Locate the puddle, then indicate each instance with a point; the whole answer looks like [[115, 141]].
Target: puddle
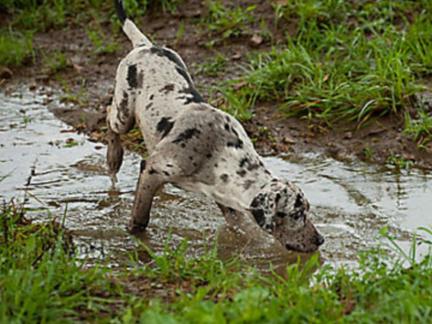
[[54, 169]]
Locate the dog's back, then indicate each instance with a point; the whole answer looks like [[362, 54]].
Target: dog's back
[[153, 86]]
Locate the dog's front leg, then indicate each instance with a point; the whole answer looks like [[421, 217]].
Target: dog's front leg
[[148, 183]]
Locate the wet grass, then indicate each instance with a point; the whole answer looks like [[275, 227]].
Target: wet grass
[[345, 61], [42, 281], [26, 17], [15, 48]]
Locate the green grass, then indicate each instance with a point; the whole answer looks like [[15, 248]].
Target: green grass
[[102, 43], [15, 48], [420, 128], [41, 281], [227, 21], [55, 62], [138, 8], [346, 61]]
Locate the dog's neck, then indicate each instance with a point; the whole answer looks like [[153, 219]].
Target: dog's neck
[[262, 206]]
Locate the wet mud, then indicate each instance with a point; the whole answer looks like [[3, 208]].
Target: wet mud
[[57, 172]]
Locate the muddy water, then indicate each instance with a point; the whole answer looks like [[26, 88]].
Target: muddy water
[[58, 172]]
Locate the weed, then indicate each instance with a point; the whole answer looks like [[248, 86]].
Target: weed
[[55, 62], [213, 66], [102, 44], [138, 8], [15, 48], [345, 62], [399, 162], [420, 129], [227, 22], [40, 280], [368, 153]]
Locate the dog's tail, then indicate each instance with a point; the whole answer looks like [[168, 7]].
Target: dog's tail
[[129, 28]]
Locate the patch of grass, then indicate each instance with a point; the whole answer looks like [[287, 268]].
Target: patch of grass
[[226, 22], [15, 48], [399, 163], [136, 8], [102, 43], [347, 61], [41, 281], [213, 66], [55, 62], [420, 128]]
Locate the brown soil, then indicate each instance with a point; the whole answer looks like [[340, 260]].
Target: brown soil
[[88, 80]]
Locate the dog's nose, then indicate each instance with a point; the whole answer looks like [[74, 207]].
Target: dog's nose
[[319, 239]]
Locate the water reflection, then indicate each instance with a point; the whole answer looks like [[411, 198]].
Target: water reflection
[[56, 170]]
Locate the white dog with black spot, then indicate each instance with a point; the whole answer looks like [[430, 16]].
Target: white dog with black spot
[[196, 146]]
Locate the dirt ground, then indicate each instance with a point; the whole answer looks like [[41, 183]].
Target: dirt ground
[[88, 81]]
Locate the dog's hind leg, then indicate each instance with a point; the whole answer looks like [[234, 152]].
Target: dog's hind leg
[[120, 117], [114, 154]]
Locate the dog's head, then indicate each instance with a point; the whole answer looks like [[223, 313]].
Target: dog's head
[[281, 209]]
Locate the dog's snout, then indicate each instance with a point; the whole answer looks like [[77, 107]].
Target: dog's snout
[[319, 240]]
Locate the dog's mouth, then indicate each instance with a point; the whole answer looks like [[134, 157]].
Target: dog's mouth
[[301, 248]]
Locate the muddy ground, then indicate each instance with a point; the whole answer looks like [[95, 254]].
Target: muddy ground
[[87, 83]]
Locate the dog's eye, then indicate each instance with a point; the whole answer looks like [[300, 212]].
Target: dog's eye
[[280, 214], [298, 215]]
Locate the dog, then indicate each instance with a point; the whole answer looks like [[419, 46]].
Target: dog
[[195, 146]]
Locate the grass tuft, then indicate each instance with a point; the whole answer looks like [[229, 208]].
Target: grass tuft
[[41, 281], [345, 61], [15, 48]]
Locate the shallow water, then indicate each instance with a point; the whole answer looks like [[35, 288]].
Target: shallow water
[[54, 169]]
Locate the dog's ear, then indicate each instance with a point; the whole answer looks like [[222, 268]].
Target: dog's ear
[[258, 214]]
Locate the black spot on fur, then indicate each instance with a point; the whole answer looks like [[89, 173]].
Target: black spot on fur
[[224, 177], [258, 214], [168, 88], [208, 156], [166, 173], [187, 135], [247, 184], [132, 77], [169, 165], [123, 111], [164, 126], [153, 171], [241, 173], [253, 166], [148, 105], [185, 75], [170, 55], [194, 96], [142, 166], [243, 162], [151, 97], [238, 144], [190, 157], [258, 201], [299, 202], [227, 127], [281, 214]]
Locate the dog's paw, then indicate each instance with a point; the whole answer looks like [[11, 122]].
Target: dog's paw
[[136, 229]]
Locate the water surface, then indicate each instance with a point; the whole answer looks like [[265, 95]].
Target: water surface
[[57, 172]]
